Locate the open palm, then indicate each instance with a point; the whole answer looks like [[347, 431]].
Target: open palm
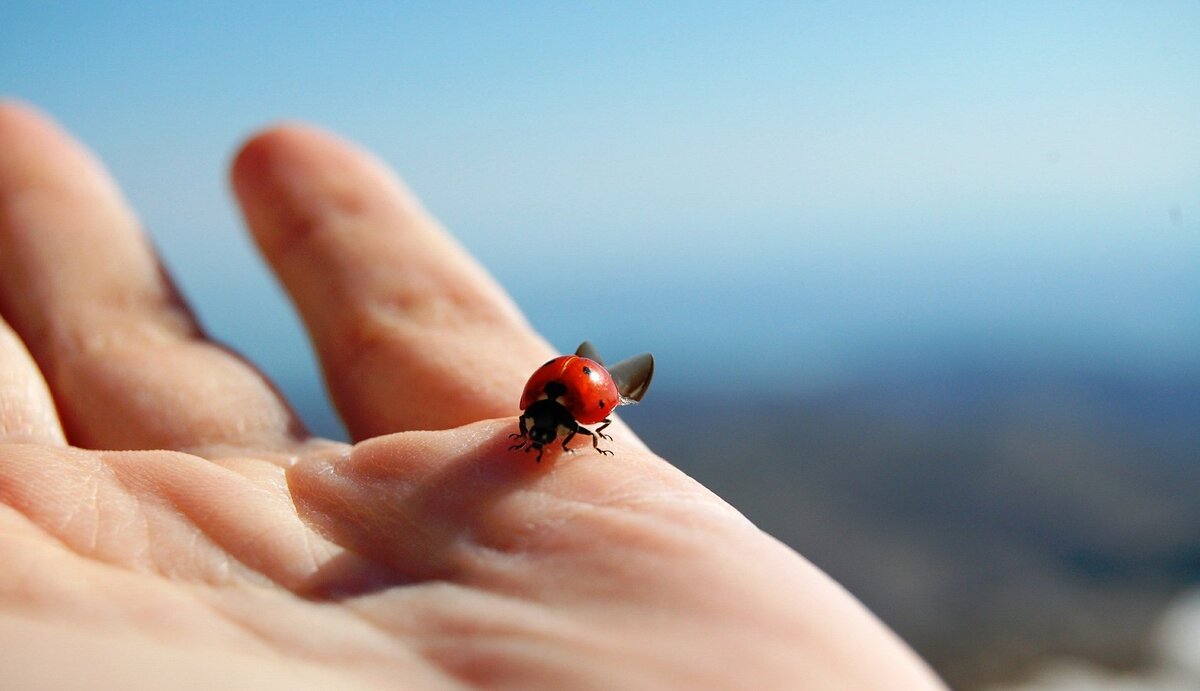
[[166, 520]]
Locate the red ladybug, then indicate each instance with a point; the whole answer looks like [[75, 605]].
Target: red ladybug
[[575, 390]]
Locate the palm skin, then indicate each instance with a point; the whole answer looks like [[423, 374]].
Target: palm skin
[[165, 520]]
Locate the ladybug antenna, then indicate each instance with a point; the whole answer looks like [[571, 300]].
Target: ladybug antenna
[[632, 376], [587, 350]]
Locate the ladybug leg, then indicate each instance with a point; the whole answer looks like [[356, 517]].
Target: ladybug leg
[[523, 435], [600, 429], [575, 429], [596, 441]]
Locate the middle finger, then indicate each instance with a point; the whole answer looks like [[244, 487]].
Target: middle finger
[[124, 358]]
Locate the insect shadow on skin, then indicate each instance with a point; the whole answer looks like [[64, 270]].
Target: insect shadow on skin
[[402, 533], [571, 391]]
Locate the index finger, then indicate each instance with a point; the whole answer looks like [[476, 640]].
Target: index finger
[[410, 331]]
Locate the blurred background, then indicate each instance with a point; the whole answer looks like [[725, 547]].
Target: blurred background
[[926, 276]]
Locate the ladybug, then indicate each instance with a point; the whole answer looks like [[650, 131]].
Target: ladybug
[[575, 390]]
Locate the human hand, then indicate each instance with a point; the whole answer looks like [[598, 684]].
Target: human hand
[[166, 520]]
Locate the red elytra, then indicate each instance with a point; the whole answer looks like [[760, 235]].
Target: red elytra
[[590, 392]]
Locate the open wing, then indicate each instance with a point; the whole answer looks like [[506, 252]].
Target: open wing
[[631, 375], [587, 350]]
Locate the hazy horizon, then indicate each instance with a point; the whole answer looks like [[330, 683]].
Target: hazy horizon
[[767, 194]]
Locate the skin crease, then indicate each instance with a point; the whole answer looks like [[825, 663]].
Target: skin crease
[[164, 516]]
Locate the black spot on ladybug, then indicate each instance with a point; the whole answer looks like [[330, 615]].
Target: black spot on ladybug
[[587, 370], [601, 404]]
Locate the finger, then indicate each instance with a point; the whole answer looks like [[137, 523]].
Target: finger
[[622, 552], [125, 360], [427, 503], [26, 409], [410, 331]]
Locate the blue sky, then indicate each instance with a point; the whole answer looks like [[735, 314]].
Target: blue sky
[[806, 190]]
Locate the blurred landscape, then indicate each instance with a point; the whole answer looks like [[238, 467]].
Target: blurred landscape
[[994, 518]]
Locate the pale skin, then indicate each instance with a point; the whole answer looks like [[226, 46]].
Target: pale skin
[[165, 518]]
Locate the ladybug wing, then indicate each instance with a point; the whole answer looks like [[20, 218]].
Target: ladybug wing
[[587, 350], [632, 376]]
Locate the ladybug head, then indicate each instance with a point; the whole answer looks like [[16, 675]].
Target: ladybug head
[[544, 419], [542, 433]]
